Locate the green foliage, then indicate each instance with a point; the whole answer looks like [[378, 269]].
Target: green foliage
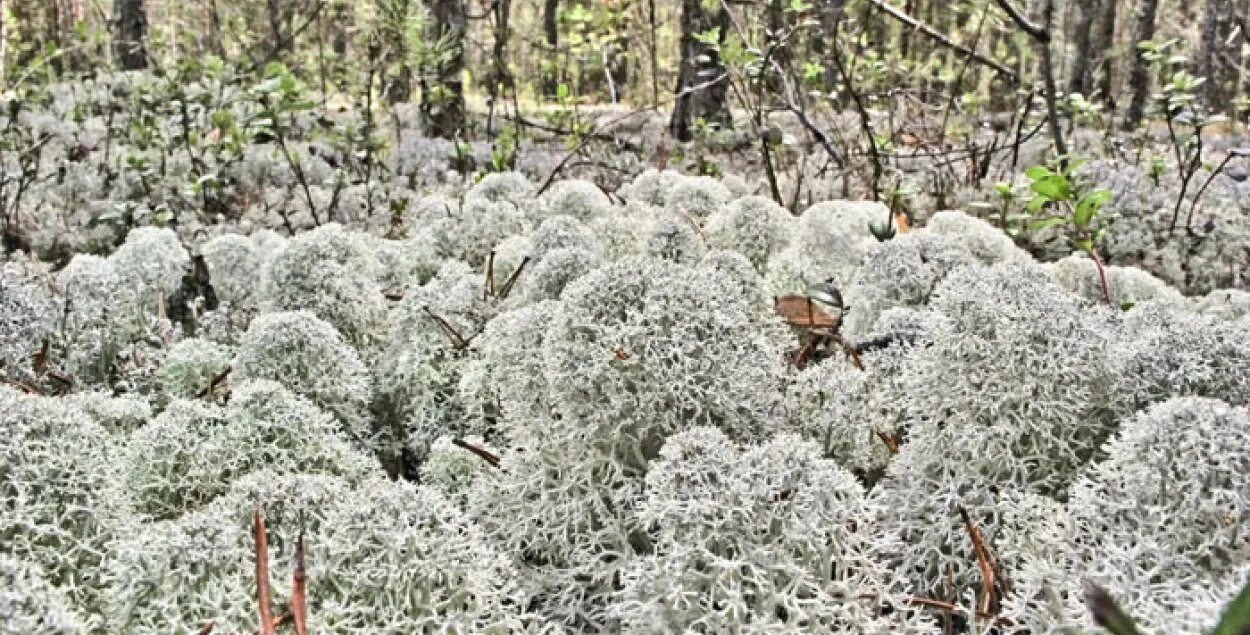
[[1236, 618], [1078, 210]]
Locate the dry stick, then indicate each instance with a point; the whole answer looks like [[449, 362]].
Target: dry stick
[[262, 574], [299, 591], [935, 35], [482, 453], [20, 385], [488, 289], [208, 628], [507, 285], [951, 608], [890, 442], [587, 138], [215, 382], [983, 562], [452, 333]]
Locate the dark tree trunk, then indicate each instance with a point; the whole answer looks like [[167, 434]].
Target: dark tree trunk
[[701, 85], [1215, 55], [551, 33], [1106, 30], [830, 20], [1079, 80], [442, 89], [1144, 16], [130, 23]]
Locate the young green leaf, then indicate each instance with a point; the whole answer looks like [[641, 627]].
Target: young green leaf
[[1054, 187]]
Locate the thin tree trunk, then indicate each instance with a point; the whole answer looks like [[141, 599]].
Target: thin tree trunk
[[1079, 80], [1144, 15], [1106, 77], [130, 22], [1217, 26], [442, 89], [701, 83], [4, 44], [551, 33]]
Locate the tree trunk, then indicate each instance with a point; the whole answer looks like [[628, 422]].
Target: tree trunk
[[1144, 15], [130, 22], [442, 89], [701, 83], [1214, 55], [551, 33], [1079, 80], [1106, 76]]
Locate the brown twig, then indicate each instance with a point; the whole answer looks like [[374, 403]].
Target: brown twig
[[39, 361], [507, 285], [215, 382], [451, 331], [267, 626], [488, 288], [890, 442], [208, 628], [984, 562], [485, 455], [21, 385], [299, 592], [951, 608]]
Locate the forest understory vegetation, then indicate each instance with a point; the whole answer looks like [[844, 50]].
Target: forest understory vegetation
[[637, 316]]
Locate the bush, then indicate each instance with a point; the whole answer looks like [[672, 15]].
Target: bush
[[334, 274], [30, 606], [311, 359], [56, 471], [26, 318], [763, 538], [191, 366], [150, 263], [1156, 528], [753, 226], [1011, 392], [386, 557]]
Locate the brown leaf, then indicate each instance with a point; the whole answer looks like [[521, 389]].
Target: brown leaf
[[799, 310]]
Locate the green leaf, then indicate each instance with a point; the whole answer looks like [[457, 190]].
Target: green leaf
[[1236, 618], [1037, 203], [1037, 172], [1043, 224], [1054, 187]]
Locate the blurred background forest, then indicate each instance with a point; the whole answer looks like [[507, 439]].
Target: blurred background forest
[[921, 104]]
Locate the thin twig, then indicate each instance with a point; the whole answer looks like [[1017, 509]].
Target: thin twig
[[507, 285], [452, 333], [267, 626], [936, 36], [208, 628], [215, 382], [890, 442], [299, 591], [984, 562], [486, 455]]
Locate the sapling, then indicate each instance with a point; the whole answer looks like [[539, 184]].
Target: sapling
[[1077, 211]]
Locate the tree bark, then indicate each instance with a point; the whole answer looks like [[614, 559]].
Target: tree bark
[[701, 83], [442, 89], [1106, 30], [130, 22], [1217, 27], [551, 33], [1079, 80], [1144, 17]]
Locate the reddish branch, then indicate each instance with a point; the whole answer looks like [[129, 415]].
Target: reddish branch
[[267, 626], [299, 593], [985, 562], [215, 382], [485, 455]]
